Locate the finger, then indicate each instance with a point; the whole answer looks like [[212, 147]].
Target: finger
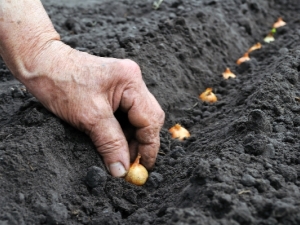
[[111, 143], [149, 155], [149, 142], [146, 115]]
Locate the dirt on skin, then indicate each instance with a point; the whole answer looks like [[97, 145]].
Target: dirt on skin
[[241, 163]]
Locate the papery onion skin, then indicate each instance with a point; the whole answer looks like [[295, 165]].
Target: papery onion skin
[[137, 173], [228, 74], [208, 96], [243, 59], [254, 47], [179, 132], [279, 23]]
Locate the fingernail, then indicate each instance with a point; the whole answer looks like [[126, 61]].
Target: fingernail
[[117, 169]]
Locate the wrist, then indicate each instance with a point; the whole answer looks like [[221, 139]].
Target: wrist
[[25, 29], [41, 70], [22, 60]]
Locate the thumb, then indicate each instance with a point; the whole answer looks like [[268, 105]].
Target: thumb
[[111, 143]]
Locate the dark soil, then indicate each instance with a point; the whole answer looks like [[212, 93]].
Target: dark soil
[[240, 166]]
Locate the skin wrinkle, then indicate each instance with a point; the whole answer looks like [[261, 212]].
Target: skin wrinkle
[[82, 83], [146, 135], [52, 87], [99, 119], [41, 81], [90, 116], [139, 106], [109, 145], [114, 93], [127, 86], [148, 157], [133, 107], [115, 103], [81, 80], [40, 50], [83, 114]]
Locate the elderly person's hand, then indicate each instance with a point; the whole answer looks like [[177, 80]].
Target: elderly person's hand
[[82, 89]]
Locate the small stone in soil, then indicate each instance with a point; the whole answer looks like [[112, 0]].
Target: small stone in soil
[[95, 176], [154, 179]]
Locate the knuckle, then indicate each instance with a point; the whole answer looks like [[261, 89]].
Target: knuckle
[[132, 68], [132, 64], [108, 147], [150, 155], [156, 143], [149, 135]]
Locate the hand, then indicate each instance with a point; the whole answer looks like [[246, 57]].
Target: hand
[[86, 91]]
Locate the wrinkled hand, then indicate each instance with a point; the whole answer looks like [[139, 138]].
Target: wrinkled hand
[[86, 91]]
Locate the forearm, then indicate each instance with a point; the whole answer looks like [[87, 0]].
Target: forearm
[[25, 29]]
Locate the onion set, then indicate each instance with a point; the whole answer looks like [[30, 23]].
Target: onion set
[[228, 74], [179, 132], [208, 96], [243, 59], [137, 173], [254, 47], [279, 23]]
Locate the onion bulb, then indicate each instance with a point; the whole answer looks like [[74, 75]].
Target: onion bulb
[[254, 47], [208, 96], [243, 59], [179, 132], [279, 23], [137, 173], [227, 73], [269, 38]]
